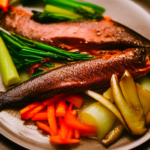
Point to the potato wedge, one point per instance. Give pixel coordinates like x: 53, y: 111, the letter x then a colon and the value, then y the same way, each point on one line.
x: 108, y: 105
x: 114, y: 134
x: 108, y: 94
x: 145, y: 82
x: 144, y: 96
x: 130, y: 107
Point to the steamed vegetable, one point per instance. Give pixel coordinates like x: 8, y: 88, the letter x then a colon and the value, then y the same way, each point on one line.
x: 7, y: 68
x: 26, y: 53
x: 128, y: 103
x: 105, y: 102
x: 83, y: 8
x: 96, y: 114
x: 145, y: 82
x: 66, y: 10
x: 75, y: 99
x: 144, y: 96
x: 63, y: 127
x: 44, y: 47
x: 61, y: 109
x: 108, y: 94
x: 4, y: 5
x: 114, y: 134
x: 48, y: 17
x: 55, y: 9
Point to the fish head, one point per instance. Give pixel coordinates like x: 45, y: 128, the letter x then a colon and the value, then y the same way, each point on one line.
x: 146, y: 52
x: 139, y: 59
x: 143, y: 55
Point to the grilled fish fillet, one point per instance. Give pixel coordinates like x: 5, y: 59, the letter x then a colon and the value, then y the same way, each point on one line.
x: 78, y: 77
x: 83, y: 36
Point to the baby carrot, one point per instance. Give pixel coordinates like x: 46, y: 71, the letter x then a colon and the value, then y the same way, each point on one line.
x: 76, y: 100
x: 61, y: 109
x: 44, y: 127
x: 76, y: 134
x: 63, y: 132
x: 31, y: 113
x: 29, y: 107
x: 52, y: 118
x: 73, y: 122
x: 40, y: 116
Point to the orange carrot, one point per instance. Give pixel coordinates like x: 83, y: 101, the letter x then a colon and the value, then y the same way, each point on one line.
x: 87, y: 134
x: 40, y: 116
x: 57, y: 140
x: 73, y: 122
x: 70, y: 107
x: 62, y: 124
x: 44, y: 127
x: 63, y: 132
x: 29, y: 107
x: 52, y: 118
x: 70, y: 133
x: 61, y: 109
x: 31, y: 113
x: 107, y: 18
x: 25, y: 116
x: 74, y: 112
x: 76, y: 100
x: 76, y: 134
x: 53, y: 99
x: 4, y: 5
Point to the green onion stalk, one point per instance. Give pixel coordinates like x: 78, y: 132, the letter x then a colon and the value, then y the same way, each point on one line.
x: 26, y: 52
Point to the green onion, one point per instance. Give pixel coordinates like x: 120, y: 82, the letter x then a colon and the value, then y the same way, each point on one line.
x: 37, y: 74
x: 68, y: 10
x: 8, y: 38
x: 7, y: 68
x: 48, y: 17
x: 87, y: 10
x: 55, y: 9
x: 49, y: 64
x: 41, y: 46
x: 26, y: 50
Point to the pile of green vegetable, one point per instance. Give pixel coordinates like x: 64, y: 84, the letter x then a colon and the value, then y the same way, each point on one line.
x: 125, y: 105
x: 25, y: 52
x: 65, y: 10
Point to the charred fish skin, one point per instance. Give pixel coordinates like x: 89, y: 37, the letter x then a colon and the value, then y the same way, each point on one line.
x: 78, y: 77
x: 89, y: 35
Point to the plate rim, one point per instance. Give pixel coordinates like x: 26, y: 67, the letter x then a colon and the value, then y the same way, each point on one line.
x: 7, y: 133
x: 24, y: 144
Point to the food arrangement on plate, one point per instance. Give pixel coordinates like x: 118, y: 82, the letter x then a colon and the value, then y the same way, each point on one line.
x: 70, y: 48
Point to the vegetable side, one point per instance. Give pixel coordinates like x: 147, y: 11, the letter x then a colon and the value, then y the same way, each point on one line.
x: 7, y: 68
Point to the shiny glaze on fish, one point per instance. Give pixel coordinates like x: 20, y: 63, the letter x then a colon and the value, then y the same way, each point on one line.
x: 78, y: 77
x: 83, y: 36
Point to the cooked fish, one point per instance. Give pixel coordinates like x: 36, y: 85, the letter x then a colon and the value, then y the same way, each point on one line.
x: 83, y: 35
x: 78, y: 77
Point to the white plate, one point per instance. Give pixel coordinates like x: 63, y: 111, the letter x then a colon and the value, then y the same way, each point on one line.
x: 27, y: 135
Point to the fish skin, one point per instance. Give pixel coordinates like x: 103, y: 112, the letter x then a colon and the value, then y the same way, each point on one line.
x: 78, y: 77
x: 86, y: 35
